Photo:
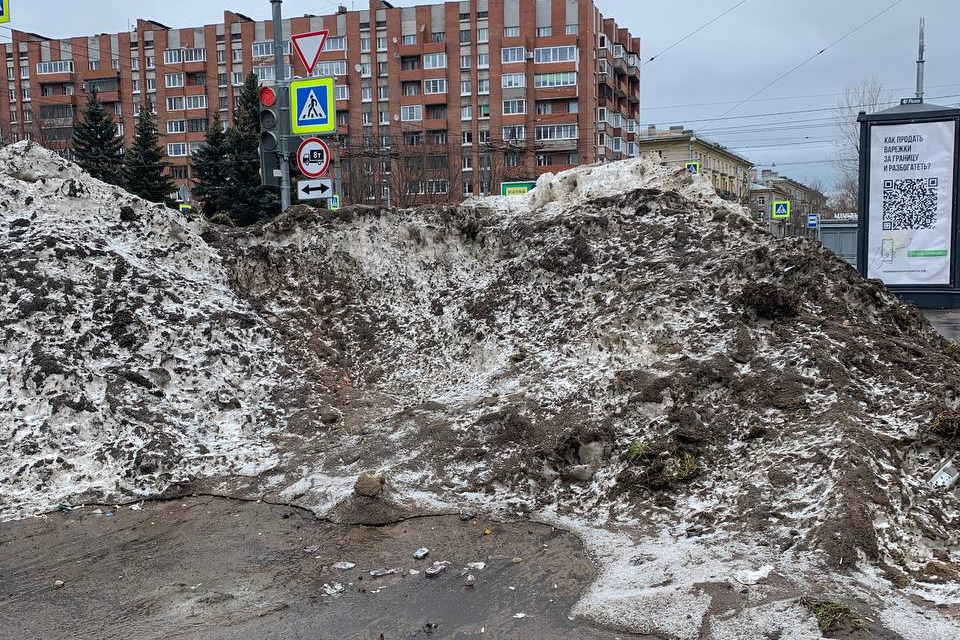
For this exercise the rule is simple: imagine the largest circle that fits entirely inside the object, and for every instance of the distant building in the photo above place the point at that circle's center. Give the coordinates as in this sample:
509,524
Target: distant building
769,186
729,172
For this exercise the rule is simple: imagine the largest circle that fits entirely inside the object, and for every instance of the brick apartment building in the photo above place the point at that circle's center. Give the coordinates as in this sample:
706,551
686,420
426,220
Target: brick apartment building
434,102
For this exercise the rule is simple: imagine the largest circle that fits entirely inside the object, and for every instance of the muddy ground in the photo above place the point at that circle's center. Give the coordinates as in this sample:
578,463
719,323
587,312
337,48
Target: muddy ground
213,568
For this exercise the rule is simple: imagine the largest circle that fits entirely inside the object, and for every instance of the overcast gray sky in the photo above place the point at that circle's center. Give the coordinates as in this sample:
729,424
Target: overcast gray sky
724,63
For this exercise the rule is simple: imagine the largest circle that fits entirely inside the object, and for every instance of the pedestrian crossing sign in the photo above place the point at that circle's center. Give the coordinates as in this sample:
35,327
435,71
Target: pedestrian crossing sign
4,10
781,209
312,106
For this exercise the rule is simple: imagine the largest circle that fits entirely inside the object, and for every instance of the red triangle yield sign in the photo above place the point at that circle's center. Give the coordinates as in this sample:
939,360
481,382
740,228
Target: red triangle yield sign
308,47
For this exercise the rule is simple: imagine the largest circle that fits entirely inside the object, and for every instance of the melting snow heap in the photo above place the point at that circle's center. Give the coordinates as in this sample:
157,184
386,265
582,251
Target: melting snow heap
738,426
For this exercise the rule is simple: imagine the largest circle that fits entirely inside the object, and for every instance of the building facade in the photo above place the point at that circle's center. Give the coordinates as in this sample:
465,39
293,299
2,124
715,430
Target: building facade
434,102
728,171
769,186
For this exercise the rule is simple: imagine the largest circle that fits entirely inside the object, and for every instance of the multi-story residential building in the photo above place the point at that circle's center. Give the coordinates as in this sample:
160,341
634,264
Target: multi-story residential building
728,171
433,102
768,186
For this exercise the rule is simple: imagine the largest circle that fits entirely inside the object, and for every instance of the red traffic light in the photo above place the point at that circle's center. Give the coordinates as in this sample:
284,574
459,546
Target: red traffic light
268,97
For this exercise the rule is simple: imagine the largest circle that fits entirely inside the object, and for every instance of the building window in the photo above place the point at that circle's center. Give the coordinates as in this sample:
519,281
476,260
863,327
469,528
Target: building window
464,36
411,88
544,32
221,56
465,62
365,45
413,138
412,39
151,84
199,54
176,126
338,43
513,160
514,107
511,32
513,80
177,149
172,56
436,85
197,125
366,94
467,138
175,103
555,54
329,69
173,80
572,30
465,87
518,132
381,44
513,54
602,41
237,55
178,173
557,132
383,92
341,92
236,78
483,61
483,35
411,113
543,160
547,80
59,66
466,112
134,64
151,62
262,49
197,102
366,69
410,63
466,163
434,61
483,86
483,113
384,116
438,36
383,69
93,65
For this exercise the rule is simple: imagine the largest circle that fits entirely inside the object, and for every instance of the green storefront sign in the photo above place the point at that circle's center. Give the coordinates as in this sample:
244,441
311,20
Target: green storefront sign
516,188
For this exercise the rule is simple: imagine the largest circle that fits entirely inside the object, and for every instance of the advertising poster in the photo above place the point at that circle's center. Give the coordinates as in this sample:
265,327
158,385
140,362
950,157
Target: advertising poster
910,204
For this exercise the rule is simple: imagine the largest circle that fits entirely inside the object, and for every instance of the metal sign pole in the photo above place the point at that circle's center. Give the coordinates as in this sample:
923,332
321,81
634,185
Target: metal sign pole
279,72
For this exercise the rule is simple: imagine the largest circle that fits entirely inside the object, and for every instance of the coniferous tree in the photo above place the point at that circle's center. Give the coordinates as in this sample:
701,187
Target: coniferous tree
143,165
245,200
210,171
96,146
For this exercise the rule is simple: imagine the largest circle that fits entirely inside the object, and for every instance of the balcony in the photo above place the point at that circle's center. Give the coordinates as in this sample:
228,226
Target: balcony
620,66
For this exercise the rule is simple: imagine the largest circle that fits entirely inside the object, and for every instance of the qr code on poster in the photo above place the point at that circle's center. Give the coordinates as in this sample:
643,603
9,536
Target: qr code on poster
910,204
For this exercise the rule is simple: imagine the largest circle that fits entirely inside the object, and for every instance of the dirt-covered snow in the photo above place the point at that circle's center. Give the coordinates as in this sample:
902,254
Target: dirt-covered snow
735,424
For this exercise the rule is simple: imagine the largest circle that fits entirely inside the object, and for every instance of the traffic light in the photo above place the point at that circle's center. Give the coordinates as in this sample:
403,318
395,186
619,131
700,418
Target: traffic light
269,137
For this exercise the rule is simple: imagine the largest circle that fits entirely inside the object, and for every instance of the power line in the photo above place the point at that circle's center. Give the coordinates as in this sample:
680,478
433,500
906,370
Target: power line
781,98
693,33
818,53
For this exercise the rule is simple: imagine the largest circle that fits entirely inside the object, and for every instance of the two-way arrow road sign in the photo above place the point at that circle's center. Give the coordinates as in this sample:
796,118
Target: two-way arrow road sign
314,189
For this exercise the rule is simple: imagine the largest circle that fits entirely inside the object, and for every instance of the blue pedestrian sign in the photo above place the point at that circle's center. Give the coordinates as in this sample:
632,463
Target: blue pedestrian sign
813,220
781,209
312,106
335,203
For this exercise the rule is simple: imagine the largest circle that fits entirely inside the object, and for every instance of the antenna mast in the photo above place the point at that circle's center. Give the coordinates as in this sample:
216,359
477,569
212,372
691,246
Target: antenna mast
920,62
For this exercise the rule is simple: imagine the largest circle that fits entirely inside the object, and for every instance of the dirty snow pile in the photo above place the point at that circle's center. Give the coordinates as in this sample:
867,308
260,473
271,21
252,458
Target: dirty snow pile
623,350
127,363
731,422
